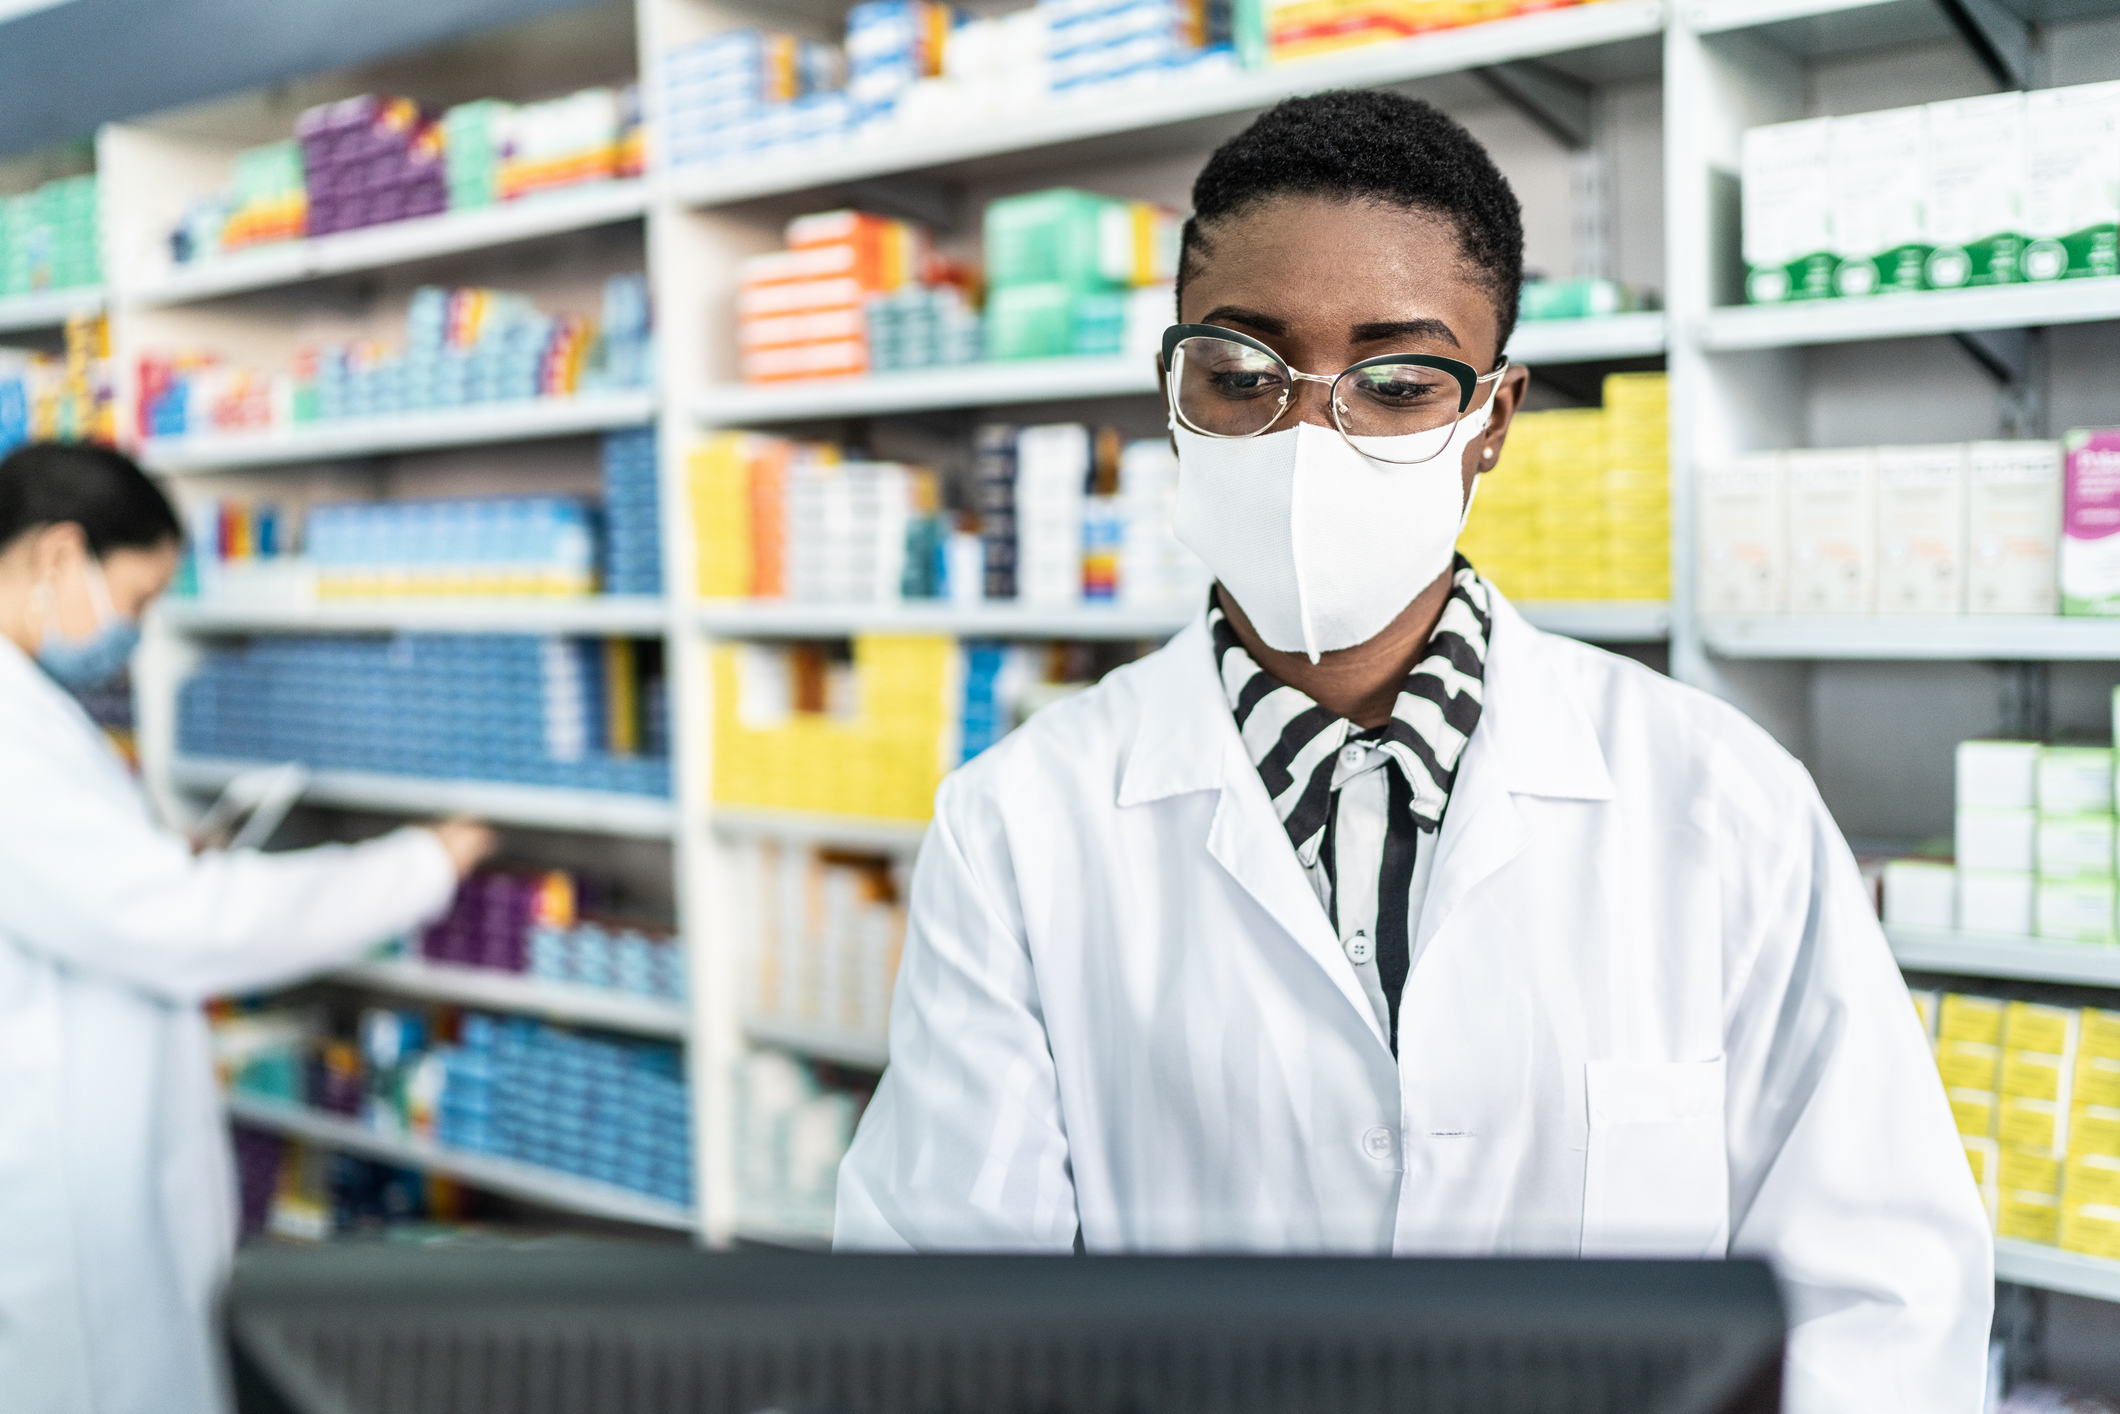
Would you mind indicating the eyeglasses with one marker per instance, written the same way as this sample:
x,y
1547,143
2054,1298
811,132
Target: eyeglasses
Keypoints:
x,y
1225,384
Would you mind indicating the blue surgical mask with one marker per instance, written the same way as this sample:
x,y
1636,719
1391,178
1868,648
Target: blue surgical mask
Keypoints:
x,y
81,664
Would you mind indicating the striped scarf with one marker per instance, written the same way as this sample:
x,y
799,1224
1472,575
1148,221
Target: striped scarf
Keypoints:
x,y
1293,741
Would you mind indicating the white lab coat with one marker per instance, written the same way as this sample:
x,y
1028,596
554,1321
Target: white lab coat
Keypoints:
x,y
117,1200
1650,1012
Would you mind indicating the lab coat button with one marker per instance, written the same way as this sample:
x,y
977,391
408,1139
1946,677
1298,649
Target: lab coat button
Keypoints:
x,y
1351,756
1377,1143
1359,948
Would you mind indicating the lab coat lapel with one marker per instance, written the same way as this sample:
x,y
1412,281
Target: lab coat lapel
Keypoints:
x,y
1188,741
1534,740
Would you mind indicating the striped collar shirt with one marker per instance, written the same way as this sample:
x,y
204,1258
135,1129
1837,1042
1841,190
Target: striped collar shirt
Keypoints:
x,y
1362,807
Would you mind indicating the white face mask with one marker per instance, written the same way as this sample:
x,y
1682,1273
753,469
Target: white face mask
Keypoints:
x,y
1321,545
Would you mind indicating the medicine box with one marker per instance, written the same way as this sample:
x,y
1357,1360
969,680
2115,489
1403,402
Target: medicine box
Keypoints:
x,y
2075,846
2090,536
2076,780
1744,553
1920,893
1974,202
1921,530
2013,513
2071,181
2001,774
2004,840
1996,902
2075,910
1787,235
1832,531
1878,163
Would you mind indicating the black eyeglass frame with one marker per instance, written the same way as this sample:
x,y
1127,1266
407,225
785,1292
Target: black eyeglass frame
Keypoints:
x,y
1468,378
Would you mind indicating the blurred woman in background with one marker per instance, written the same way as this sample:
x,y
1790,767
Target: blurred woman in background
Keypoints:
x,y
117,1194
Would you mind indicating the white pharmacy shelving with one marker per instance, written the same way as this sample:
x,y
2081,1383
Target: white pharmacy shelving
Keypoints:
x,y
1907,316
512,1178
628,615
2003,955
831,831
520,994
2029,1264
1694,72
1883,637
48,309
474,424
539,807
395,243
823,1042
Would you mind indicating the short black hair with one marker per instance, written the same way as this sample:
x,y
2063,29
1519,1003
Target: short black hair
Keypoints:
x,y
1366,144
101,490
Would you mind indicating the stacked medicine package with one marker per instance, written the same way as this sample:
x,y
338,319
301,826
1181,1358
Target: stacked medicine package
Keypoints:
x,y
1072,272
299,1192
373,159
585,714
462,347
1059,516
2035,1090
1955,528
607,1108
871,730
826,931
1994,190
553,926
246,553
49,238
60,398
1579,507
2034,848
802,312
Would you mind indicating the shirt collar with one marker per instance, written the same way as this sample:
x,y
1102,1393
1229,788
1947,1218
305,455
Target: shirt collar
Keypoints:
x,y
1292,741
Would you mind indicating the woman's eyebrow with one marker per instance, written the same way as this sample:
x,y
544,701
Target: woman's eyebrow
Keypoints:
x,y
1232,314
1402,329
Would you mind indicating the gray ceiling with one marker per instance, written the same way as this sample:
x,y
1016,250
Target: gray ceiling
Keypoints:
x,y
67,69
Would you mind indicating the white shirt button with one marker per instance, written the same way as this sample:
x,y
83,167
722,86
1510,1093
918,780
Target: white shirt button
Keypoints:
x,y
1359,948
1377,1143
1351,756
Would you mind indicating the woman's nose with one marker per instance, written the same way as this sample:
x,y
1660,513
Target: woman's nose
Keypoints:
x,y
1310,402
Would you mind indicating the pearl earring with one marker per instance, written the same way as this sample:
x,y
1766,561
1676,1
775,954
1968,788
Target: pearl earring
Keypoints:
x,y
1488,455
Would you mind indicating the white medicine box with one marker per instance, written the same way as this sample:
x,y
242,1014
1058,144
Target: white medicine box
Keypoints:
x,y
1996,903
2075,780
2013,527
1920,893
1744,551
2005,841
2075,846
1832,531
1921,536
2000,774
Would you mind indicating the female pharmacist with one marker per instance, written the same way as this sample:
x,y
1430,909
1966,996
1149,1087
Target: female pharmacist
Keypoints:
x,y
1364,917
116,1191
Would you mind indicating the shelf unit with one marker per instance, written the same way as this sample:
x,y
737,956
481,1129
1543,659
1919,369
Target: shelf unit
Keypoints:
x,y
2001,955
1741,379
537,807
396,243
519,993
602,615
475,424
822,1042
512,1178
48,310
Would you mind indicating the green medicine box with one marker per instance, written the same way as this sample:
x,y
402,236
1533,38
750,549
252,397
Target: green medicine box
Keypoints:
x,y
1046,237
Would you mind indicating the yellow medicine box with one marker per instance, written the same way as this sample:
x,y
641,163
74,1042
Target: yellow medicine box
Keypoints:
x,y
2093,1230
1968,1065
2026,1172
2028,1217
1974,1110
2039,1125
1967,1018
2032,1074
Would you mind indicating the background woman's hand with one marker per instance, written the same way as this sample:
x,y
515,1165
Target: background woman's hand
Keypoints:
x,y
469,843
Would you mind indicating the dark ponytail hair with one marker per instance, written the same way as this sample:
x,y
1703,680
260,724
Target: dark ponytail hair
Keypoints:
x,y
101,490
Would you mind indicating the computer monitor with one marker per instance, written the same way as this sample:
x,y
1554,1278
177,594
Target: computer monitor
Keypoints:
x,y
624,1330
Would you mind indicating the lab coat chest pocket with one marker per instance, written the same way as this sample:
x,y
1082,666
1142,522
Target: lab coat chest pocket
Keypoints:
x,y
1657,1182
